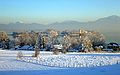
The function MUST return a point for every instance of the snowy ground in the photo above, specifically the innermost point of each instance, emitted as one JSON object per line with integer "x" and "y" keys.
{"x": 73, "y": 60}
{"x": 49, "y": 64}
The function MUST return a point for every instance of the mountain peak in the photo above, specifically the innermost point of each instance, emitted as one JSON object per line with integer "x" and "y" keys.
{"x": 19, "y": 22}
{"x": 109, "y": 18}
{"x": 114, "y": 17}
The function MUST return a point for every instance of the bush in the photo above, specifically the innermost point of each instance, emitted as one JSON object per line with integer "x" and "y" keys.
{"x": 19, "y": 55}
{"x": 56, "y": 51}
{"x": 37, "y": 52}
{"x": 64, "y": 51}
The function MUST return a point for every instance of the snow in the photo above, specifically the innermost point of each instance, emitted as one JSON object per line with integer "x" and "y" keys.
{"x": 63, "y": 64}
{"x": 74, "y": 60}
{"x": 8, "y": 61}
{"x": 58, "y": 46}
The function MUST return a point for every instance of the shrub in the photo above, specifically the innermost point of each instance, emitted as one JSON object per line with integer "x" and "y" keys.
{"x": 19, "y": 55}
{"x": 56, "y": 51}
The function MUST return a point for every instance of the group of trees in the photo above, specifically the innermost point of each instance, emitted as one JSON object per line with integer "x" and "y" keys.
{"x": 4, "y": 40}
{"x": 87, "y": 39}
{"x": 26, "y": 38}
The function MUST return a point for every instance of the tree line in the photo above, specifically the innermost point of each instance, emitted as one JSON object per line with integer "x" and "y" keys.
{"x": 81, "y": 39}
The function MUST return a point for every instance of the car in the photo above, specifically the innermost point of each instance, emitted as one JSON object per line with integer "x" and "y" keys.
{"x": 108, "y": 50}
{"x": 25, "y": 47}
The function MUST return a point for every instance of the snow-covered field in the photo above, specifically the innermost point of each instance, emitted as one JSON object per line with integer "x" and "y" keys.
{"x": 9, "y": 61}
{"x": 49, "y": 64}
{"x": 73, "y": 60}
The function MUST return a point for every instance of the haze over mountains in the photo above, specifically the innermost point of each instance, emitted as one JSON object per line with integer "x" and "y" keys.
{"x": 109, "y": 26}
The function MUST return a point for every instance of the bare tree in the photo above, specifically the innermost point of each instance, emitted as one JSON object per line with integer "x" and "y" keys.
{"x": 3, "y": 36}
{"x": 96, "y": 38}
{"x": 38, "y": 45}
{"x": 4, "y": 39}
{"x": 26, "y": 38}
{"x": 66, "y": 43}
{"x": 53, "y": 35}
{"x": 37, "y": 52}
{"x": 88, "y": 44}
{"x": 55, "y": 51}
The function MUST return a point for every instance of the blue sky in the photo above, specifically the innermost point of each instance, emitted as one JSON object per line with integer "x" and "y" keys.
{"x": 48, "y": 11}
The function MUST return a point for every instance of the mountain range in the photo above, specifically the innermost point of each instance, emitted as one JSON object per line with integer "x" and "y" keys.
{"x": 109, "y": 26}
